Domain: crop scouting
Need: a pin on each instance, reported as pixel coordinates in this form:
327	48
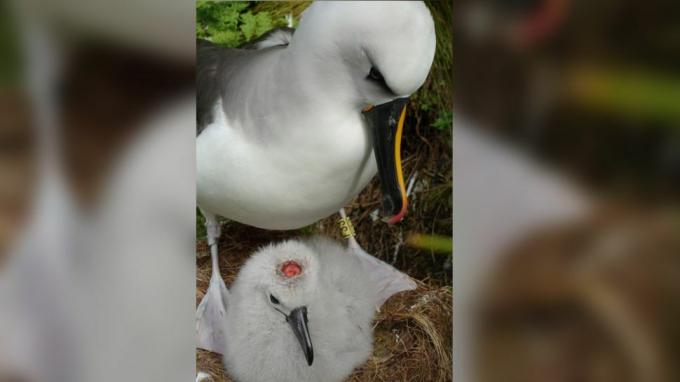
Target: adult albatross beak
386	123
297	319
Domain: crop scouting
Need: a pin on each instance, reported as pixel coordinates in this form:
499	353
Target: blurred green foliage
633	92
433	243
10	60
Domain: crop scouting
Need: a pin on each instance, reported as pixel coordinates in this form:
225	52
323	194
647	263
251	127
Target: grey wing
212	60
209	60
356	273
387	279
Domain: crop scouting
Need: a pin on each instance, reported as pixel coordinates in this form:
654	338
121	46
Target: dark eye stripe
377	77
273	299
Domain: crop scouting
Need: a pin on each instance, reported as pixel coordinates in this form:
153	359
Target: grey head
377	50
299	311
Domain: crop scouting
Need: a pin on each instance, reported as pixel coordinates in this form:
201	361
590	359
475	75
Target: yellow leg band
346	227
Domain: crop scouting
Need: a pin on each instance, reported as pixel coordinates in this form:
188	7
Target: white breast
288	180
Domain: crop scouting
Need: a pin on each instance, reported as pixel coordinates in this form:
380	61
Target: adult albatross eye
375	75
273	299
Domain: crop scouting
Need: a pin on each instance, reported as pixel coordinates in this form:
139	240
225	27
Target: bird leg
211	310
203	376
388	279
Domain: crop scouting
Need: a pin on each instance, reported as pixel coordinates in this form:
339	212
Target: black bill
298	322
386	122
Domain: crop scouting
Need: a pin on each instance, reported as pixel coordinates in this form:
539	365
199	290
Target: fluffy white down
336	290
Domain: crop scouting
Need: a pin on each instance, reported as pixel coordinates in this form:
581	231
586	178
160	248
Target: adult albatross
292	127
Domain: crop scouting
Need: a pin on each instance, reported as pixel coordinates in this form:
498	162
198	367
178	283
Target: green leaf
232	23
228	19
248	25
444	121
263	23
229	38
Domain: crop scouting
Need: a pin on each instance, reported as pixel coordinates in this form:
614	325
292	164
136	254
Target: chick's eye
273	299
375	75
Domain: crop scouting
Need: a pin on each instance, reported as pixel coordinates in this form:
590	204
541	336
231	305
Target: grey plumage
211	59
339	295
215	64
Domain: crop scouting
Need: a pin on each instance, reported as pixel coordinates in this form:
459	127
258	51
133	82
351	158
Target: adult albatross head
379	53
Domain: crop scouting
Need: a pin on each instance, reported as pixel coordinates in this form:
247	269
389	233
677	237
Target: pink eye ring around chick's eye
290	269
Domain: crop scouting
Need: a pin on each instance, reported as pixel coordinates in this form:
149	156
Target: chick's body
340	300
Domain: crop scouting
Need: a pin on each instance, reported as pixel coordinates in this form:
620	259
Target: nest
412	332
412	338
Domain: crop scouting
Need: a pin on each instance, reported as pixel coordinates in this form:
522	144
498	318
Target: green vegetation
10	64
201	231
444	120
434	101
232	23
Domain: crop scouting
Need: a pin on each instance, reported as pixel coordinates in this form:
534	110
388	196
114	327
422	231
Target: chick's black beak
386	123
297	319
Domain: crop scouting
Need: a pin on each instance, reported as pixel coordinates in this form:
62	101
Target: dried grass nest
412	332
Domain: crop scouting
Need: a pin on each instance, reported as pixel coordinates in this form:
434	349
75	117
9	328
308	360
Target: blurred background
565	158
97	192
571	273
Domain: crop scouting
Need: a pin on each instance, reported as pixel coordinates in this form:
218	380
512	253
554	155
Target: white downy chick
300	311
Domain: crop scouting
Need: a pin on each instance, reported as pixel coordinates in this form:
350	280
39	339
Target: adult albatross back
294	127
